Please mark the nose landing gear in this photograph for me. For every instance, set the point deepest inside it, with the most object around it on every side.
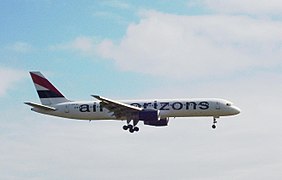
(214, 123)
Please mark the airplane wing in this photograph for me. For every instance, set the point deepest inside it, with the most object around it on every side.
(120, 110)
(40, 106)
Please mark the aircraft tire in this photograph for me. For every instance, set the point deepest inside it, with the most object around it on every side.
(125, 127)
(131, 130)
(136, 129)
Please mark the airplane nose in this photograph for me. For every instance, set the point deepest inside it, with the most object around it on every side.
(236, 110)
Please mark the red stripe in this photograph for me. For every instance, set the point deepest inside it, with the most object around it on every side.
(44, 83)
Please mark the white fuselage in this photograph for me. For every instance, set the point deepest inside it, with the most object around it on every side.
(92, 110)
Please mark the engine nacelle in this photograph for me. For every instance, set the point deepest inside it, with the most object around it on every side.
(161, 122)
(149, 115)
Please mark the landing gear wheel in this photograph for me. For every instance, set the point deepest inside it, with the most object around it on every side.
(125, 127)
(214, 126)
(136, 129)
(131, 130)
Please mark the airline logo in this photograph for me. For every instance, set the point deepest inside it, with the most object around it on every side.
(191, 105)
(44, 88)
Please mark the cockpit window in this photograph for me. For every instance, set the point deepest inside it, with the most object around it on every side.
(228, 104)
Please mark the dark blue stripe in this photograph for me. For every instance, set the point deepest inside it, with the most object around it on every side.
(48, 94)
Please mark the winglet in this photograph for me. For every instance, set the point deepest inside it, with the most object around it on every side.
(97, 97)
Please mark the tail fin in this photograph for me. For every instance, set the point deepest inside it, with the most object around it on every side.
(47, 93)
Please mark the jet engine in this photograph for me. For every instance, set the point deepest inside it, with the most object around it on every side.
(161, 122)
(151, 117)
(149, 114)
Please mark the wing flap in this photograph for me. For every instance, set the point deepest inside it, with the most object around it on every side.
(120, 110)
(116, 103)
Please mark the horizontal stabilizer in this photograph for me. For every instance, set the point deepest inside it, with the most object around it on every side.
(40, 106)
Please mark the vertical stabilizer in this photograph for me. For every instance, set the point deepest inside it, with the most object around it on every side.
(47, 93)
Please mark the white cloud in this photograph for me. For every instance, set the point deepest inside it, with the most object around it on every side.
(20, 47)
(81, 44)
(255, 7)
(196, 46)
(9, 77)
(247, 146)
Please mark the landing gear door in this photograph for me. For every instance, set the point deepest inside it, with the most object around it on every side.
(217, 106)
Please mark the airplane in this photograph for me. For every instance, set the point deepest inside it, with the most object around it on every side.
(153, 112)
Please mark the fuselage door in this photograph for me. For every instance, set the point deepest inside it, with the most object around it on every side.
(217, 106)
(67, 109)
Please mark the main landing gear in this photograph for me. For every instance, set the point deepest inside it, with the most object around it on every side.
(132, 128)
(214, 123)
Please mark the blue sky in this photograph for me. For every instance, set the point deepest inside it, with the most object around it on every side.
(32, 28)
(136, 49)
